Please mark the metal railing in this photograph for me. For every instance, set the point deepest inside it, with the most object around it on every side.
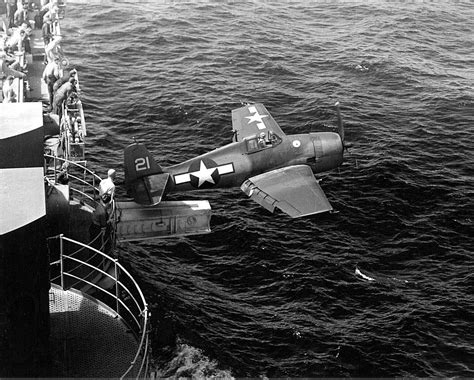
(87, 268)
(19, 90)
(117, 289)
(83, 257)
(85, 187)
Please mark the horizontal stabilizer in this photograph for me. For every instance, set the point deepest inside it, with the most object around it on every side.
(149, 190)
(293, 190)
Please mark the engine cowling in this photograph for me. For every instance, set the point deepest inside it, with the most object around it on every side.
(328, 151)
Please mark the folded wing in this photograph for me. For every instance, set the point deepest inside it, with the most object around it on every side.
(293, 190)
(253, 119)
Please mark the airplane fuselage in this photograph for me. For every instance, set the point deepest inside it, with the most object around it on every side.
(274, 169)
(231, 165)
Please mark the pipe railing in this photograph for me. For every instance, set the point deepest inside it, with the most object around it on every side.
(19, 90)
(88, 260)
(89, 182)
(103, 241)
(136, 312)
(86, 190)
(104, 273)
(74, 163)
(99, 270)
(114, 295)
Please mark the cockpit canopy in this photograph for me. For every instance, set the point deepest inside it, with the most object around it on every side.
(256, 143)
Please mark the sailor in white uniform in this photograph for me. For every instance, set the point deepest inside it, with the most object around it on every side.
(107, 186)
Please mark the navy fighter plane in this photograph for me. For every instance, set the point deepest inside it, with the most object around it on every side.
(272, 168)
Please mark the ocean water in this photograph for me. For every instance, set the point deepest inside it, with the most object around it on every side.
(385, 286)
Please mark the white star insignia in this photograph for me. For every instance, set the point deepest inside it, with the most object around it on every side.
(256, 117)
(204, 174)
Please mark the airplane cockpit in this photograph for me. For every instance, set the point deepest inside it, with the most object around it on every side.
(256, 143)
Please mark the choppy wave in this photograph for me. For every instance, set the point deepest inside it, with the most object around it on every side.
(188, 362)
(381, 288)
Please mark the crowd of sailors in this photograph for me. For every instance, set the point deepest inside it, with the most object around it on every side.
(14, 41)
(22, 17)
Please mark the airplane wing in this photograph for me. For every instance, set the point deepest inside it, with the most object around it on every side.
(253, 119)
(293, 189)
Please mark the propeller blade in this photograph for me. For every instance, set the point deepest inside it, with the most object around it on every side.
(339, 122)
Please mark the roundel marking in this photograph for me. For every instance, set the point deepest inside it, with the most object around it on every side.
(296, 143)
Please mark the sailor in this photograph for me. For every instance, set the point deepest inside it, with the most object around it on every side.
(51, 11)
(107, 186)
(20, 15)
(63, 176)
(11, 9)
(62, 94)
(50, 76)
(66, 76)
(47, 30)
(52, 49)
(99, 223)
(47, 6)
(8, 90)
(7, 67)
(17, 39)
(43, 9)
(17, 70)
(26, 27)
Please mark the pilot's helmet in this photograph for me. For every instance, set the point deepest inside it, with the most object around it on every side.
(262, 135)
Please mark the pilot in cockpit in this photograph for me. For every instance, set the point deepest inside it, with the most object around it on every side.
(261, 140)
(272, 137)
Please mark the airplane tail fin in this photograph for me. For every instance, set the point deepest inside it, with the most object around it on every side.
(144, 178)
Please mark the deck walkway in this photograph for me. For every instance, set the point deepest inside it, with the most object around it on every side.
(87, 339)
(39, 89)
